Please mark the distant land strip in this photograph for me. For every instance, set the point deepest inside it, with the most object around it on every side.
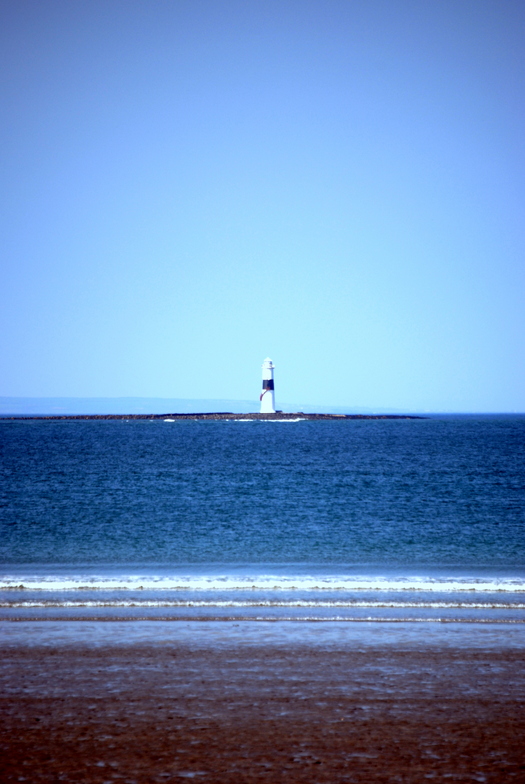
(222, 415)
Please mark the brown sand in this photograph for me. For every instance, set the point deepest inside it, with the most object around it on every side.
(166, 713)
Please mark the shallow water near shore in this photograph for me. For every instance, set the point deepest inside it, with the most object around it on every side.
(418, 635)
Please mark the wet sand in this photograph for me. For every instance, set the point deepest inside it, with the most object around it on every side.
(148, 713)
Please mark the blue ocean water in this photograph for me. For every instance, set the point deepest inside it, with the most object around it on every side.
(395, 521)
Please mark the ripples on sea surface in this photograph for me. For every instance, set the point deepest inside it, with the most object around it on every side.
(393, 522)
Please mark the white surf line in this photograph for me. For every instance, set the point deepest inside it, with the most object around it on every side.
(241, 604)
(298, 419)
(250, 584)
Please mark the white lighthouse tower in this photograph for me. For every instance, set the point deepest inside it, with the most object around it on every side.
(268, 392)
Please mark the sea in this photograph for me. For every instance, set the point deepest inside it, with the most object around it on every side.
(362, 532)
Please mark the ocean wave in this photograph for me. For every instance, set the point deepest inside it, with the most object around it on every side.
(267, 583)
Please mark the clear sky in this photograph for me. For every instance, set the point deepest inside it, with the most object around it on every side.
(189, 186)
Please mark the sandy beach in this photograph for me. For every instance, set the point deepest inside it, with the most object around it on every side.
(146, 713)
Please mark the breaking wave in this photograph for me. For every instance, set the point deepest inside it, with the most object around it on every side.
(266, 583)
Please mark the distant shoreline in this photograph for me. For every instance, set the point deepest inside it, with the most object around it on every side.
(223, 415)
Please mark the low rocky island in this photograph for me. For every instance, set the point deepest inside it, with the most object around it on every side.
(214, 416)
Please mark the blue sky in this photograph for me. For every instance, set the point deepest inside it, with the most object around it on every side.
(191, 186)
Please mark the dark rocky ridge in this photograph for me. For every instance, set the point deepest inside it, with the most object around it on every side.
(211, 416)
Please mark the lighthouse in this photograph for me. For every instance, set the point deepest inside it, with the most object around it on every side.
(267, 397)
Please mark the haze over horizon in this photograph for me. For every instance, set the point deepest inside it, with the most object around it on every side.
(189, 187)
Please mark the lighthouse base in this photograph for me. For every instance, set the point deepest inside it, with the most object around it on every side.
(268, 403)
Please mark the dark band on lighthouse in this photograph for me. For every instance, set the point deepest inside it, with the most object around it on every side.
(268, 383)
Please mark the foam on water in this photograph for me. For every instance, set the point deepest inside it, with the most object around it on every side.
(258, 595)
(274, 583)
